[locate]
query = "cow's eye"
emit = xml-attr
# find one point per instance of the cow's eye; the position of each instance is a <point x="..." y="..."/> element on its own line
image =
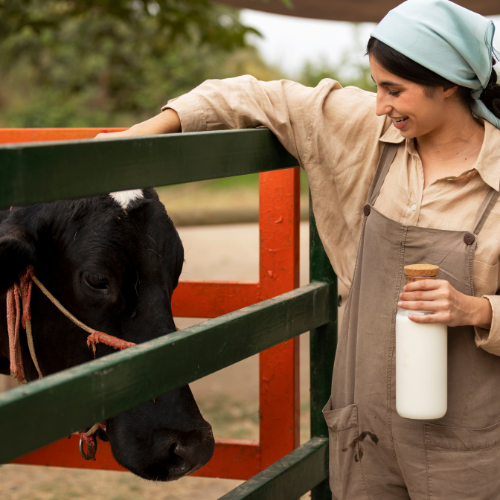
<point x="97" y="281"/>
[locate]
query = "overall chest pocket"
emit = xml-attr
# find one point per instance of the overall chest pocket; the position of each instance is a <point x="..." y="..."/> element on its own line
<point x="463" y="463"/>
<point x="485" y="278"/>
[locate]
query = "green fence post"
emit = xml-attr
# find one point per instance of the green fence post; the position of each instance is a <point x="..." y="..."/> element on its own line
<point x="323" y="343"/>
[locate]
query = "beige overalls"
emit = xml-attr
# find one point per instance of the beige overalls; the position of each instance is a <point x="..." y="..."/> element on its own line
<point x="375" y="453"/>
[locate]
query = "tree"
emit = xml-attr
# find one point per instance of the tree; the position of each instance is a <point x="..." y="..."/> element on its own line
<point x="110" y="62"/>
<point x="171" y="19"/>
<point x="351" y="70"/>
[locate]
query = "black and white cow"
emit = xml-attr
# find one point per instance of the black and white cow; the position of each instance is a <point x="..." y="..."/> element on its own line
<point x="113" y="261"/>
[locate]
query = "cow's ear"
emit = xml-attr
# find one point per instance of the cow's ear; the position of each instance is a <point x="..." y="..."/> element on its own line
<point x="17" y="252"/>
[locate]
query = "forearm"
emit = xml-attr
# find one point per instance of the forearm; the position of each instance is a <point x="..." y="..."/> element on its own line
<point x="166" y="122"/>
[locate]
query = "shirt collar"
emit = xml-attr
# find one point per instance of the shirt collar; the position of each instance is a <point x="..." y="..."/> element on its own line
<point x="392" y="135"/>
<point x="487" y="163"/>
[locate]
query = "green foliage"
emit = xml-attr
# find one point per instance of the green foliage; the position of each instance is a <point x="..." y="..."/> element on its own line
<point x="112" y="62"/>
<point x="47" y="20"/>
<point x="116" y="62"/>
<point x="351" y="70"/>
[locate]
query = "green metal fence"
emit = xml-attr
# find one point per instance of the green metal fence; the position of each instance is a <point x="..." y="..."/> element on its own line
<point x="41" y="412"/>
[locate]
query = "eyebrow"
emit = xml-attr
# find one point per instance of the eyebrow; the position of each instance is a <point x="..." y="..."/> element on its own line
<point x="387" y="83"/>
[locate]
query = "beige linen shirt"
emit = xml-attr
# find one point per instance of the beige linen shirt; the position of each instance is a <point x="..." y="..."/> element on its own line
<point x="337" y="138"/>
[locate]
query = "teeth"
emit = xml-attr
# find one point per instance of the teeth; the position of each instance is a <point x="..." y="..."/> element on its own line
<point x="399" y="121"/>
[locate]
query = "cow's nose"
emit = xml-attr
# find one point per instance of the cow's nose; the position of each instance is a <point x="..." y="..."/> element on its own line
<point x="183" y="459"/>
<point x="187" y="454"/>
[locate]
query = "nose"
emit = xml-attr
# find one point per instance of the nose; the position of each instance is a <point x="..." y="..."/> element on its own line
<point x="184" y="459"/>
<point x="185" y="454"/>
<point x="382" y="107"/>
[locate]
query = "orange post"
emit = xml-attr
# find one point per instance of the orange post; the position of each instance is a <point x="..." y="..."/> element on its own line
<point x="279" y="220"/>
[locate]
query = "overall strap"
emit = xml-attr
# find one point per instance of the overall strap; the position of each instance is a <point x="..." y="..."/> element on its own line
<point x="485" y="208"/>
<point x="385" y="162"/>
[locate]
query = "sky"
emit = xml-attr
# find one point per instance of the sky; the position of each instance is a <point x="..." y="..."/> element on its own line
<point x="291" y="41"/>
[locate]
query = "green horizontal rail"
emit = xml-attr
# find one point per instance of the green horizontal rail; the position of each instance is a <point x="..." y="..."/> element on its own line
<point x="288" y="478"/>
<point x="36" y="414"/>
<point x="39" y="172"/>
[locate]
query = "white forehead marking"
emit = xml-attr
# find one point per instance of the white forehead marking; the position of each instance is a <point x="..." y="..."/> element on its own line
<point x="124" y="198"/>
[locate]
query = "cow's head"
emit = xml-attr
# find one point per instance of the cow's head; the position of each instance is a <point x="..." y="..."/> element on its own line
<point x="113" y="261"/>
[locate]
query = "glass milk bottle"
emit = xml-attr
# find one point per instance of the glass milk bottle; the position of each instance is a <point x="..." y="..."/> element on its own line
<point x="421" y="359"/>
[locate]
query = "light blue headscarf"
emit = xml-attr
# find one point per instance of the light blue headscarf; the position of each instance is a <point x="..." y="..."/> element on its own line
<point x="446" y="38"/>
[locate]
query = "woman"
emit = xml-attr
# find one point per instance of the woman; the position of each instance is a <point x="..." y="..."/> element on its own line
<point x="409" y="175"/>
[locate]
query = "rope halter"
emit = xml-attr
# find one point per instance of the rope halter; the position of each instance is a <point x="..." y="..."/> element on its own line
<point x="19" y="314"/>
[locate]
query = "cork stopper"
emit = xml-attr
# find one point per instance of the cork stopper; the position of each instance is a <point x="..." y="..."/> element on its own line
<point x="417" y="272"/>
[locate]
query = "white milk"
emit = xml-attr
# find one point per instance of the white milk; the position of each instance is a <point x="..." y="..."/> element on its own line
<point x="421" y="368"/>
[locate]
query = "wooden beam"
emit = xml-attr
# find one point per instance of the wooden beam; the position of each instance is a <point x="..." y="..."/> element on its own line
<point x="288" y="478"/>
<point x="36" y="414"/>
<point x="38" y="172"/>
<point x="355" y="11"/>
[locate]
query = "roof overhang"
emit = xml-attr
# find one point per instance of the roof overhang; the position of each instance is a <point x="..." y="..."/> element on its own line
<point x="357" y="11"/>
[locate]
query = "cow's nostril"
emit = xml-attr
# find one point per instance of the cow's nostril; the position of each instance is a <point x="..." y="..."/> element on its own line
<point x="179" y="459"/>
<point x="177" y="462"/>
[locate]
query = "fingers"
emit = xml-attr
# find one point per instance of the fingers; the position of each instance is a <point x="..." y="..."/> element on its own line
<point x="438" y="317"/>
<point x="423" y="295"/>
<point x="425" y="285"/>
<point x="425" y="305"/>
<point x="428" y="295"/>
<point x="113" y="135"/>
<point x="427" y="290"/>
<point x="436" y="296"/>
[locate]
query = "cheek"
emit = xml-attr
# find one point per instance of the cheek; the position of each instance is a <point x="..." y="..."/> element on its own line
<point x="424" y="112"/>
<point x="429" y="114"/>
<point x="415" y="106"/>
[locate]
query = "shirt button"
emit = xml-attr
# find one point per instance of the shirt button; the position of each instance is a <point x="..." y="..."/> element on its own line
<point x="413" y="207"/>
<point x="469" y="238"/>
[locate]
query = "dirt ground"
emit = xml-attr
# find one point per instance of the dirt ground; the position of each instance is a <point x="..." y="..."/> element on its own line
<point x="228" y="399"/>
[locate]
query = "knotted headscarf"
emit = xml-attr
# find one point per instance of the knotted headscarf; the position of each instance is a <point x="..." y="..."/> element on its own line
<point x="446" y="38"/>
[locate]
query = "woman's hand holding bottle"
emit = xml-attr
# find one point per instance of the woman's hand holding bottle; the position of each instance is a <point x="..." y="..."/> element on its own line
<point x="449" y="306"/>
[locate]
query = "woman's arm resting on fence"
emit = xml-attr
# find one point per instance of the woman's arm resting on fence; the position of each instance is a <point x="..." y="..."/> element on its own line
<point x="309" y="122"/>
<point x="166" y="122"/>
<point x="287" y="108"/>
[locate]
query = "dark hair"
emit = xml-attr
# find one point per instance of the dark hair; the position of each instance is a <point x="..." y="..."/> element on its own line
<point x="404" y="67"/>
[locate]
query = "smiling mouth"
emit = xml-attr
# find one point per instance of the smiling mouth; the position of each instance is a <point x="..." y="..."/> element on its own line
<point x="400" y="123"/>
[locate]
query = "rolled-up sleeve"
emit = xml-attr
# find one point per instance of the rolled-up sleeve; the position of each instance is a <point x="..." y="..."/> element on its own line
<point x="489" y="340"/>
<point x="287" y="108"/>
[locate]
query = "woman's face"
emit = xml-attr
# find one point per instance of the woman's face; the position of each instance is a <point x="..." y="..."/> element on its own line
<point x="412" y="112"/>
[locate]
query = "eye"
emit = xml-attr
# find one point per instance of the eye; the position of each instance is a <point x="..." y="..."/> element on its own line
<point x="97" y="281"/>
<point x="395" y="93"/>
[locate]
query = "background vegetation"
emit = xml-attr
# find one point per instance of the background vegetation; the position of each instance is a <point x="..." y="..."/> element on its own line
<point x="116" y="62"/>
